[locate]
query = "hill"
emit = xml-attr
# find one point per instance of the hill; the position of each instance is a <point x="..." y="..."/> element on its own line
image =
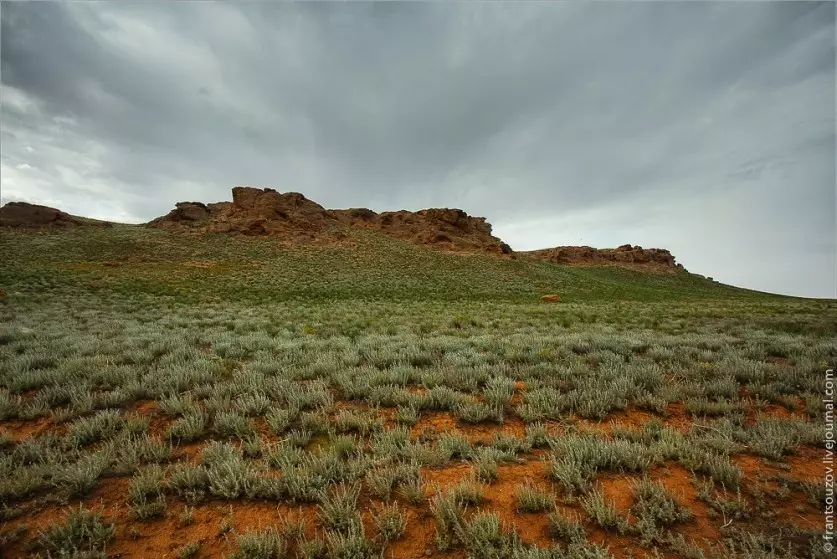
<point x="23" y="214"/>
<point x="364" y="264"/>
<point x="266" y="377"/>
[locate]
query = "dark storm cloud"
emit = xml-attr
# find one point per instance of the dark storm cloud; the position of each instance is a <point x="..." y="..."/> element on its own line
<point x="704" y="127"/>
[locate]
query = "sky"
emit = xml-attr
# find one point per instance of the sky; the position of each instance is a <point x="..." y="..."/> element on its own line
<point x="706" y="128"/>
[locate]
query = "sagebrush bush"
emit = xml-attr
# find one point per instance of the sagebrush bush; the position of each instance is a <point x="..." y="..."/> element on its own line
<point x="82" y="533"/>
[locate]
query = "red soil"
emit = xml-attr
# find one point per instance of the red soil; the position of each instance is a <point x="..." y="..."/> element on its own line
<point x="161" y="537"/>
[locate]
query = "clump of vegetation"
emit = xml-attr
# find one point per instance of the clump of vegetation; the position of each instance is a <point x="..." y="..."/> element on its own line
<point x="146" y="494"/>
<point x="656" y="509"/>
<point x="603" y="513"/>
<point x="83" y="533"/>
<point x="264" y="544"/>
<point x="390" y="522"/>
<point x="531" y="498"/>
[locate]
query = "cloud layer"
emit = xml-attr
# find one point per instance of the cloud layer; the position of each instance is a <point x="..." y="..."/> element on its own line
<point x="705" y="128"/>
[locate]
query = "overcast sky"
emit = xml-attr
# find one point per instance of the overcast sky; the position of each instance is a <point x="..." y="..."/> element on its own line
<point x="705" y="128"/>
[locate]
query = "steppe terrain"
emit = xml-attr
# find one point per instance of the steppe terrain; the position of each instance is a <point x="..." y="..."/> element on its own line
<point x="267" y="378"/>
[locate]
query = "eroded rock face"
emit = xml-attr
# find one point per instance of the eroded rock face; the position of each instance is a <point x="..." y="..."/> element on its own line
<point x="296" y="219"/>
<point x="23" y="214"/>
<point x="257" y="211"/>
<point x="630" y="256"/>
<point x="265" y="211"/>
<point x="446" y="228"/>
<point x="184" y="214"/>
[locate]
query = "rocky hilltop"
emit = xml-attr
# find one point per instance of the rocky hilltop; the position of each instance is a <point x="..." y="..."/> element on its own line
<point x="295" y="219"/>
<point x="444" y="227"/>
<point x="23" y="214"/>
<point x="625" y="255"/>
<point x="256" y="211"/>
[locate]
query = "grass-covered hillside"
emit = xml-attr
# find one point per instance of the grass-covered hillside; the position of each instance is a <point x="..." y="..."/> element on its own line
<point x="368" y="265"/>
<point x="208" y="395"/>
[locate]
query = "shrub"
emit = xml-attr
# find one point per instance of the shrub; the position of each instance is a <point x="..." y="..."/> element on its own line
<point x="265" y="544"/>
<point x="537" y="435"/>
<point x="655" y="508"/>
<point x="146" y="494"/>
<point x="448" y="514"/>
<point x="484" y="537"/>
<point x="602" y="513"/>
<point x="454" y="446"/>
<point x="531" y="498"/>
<point x="485" y="468"/>
<point x="570" y="529"/>
<point x="279" y="420"/>
<point x="83" y="532"/>
<point x="189" y="482"/>
<point x="188" y="428"/>
<point x="338" y="510"/>
<point x="390" y="521"/>
<point x="350" y="544"/>
<point x="407" y="415"/>
<point x="716" y="466"/>
<point x="188" y="551"/>
<point x="576" y="459"/>
<point x="177" y="404"/>
<point x="79" y="478"/>
<point x="233" y="424"/>
<point x="472" y="412"/>
<point x="104" y="425"/>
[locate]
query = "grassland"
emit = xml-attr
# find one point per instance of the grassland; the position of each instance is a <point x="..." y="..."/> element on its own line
<point x="206" y="396"/>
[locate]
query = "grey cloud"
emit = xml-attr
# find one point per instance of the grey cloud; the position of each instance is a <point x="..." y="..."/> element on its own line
<point x="524" y="113"/>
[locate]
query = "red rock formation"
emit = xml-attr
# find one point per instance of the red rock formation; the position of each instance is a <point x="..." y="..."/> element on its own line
<point x="184" y="214"/>
<point x="253" y="211"/>
<point x="452" y="229"/>
<point x="23" y="214"/>
<point x="295" y="219"/>
<point x="625" y="255"/>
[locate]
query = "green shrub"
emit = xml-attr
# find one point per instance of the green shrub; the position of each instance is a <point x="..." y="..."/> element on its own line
<point x="265" y="544"/>
<point x="602" y="513"/>
<point x="531" y="498"/>
<point x="338" y="510"/>
<point x="390" y="521"/>
<point x="82" y="534"/>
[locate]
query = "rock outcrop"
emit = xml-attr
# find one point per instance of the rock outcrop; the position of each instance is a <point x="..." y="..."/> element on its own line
<point x="184" y="214"/>
<point x="446" y="228"/>
<point x="23" y="214"/>
<point x="256" y="211"/>
<point x="625" y="255"/>
<point x="295" y="219"/>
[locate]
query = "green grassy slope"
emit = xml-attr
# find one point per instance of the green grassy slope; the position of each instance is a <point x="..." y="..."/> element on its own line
<point x="137" y="260"/>
<point x="379" y="285"/>
<point x="190" y="370"/>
